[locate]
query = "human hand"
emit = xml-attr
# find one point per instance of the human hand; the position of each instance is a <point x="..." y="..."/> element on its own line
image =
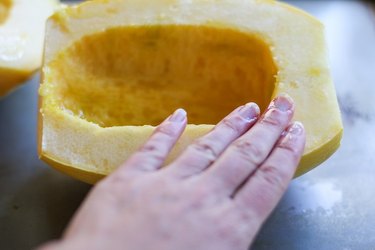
<point x="215" y="195"/>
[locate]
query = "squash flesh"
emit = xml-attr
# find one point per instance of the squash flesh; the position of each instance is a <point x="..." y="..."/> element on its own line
<point x="139" y="75"/>
<point x="22" y="25"/>
<point x="5" y="6"/>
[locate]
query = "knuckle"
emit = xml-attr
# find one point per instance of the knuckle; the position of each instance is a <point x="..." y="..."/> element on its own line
<point x="245" y="215"/>
<point x="291" y="149"/>
<point x="199" y="197"/>
<point x="196" y="203"/>
<point x="274" y="118"/>
<point x="248" y="215"/>
<point x="148" y="147"/>
<point x="252" y="219"/>
<point x="166" y="130"/>
<point x="205" y="148"/>
<point x="152" y="150"/>
<point x="224" y="230"/>
<point x="274" y="177"/>
<point x="249" y="152"/>
<point x="110" y="186"/>
<point x="155" y="158"/>
<point x="233" y="124"/>
<point x="114" y="180"/>
<point x="147" y="158"/>
<point x="235" y="236"/>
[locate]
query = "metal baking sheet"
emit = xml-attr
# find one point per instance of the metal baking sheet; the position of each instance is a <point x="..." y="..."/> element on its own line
<point x="329" y="208"/>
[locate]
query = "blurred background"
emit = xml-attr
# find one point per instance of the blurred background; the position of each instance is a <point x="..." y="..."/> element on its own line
<point x="330" y="207"/>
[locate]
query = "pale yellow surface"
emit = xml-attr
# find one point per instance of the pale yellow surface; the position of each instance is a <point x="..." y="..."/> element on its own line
<point x="22" y="25"/>
<point x="113" y="66"/>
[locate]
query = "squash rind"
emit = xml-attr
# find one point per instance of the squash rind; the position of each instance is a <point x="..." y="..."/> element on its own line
<point x="297" y="39"/>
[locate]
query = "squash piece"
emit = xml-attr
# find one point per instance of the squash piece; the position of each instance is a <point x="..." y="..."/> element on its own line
<point x="115" y="69"/>
<point x="22" y="25"/>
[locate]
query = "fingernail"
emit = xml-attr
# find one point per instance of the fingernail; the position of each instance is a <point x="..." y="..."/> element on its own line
<point x="283" y="103"/>
<point x="250" y="111"/>
<point x="178" y="116"/>
<point x="296" y="128"/>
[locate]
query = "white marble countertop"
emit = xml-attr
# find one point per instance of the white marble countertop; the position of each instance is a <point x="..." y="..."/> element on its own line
<point x="331" y="207"/>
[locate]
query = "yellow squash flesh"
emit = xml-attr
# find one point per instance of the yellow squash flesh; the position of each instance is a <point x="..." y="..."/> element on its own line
<point x="22" y="24"/>
<point x="115" y="69"/>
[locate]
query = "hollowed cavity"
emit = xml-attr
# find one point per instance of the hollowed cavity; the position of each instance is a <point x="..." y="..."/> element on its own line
<point x="139" y="75"/>
<point x="5" y="6"/>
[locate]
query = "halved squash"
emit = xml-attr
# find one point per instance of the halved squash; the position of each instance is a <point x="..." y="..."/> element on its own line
<point x="115" y="69"/>
<point x="22" y="25"/>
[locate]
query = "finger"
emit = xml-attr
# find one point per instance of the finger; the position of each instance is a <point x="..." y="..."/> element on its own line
<point x="199" y="155"/>
<point x="249" y="151"/>
<point x="263" y="190"/>
<point x="153" y="153"/>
